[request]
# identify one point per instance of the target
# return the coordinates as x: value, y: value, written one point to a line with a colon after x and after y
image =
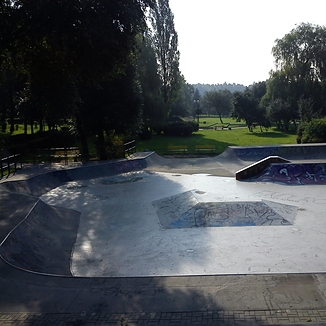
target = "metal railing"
x: 9, y: 165
x: 130, y: 147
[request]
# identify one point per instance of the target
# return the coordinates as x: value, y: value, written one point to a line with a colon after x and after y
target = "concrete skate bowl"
x: 40, y: 238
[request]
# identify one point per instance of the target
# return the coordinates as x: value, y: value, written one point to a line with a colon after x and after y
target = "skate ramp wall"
x: 289, y: 152
x: 42, y: 242
x: 294, y: 174
x: 40, y: 184
x: 258, y: 167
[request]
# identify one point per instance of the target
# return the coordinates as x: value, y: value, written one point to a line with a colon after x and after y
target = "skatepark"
x: 151, y: 217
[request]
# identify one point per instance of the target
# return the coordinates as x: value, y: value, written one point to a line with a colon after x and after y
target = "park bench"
x: 9, y: 164
x: 57, y: 154
x: 205, y: 148
x: 177, y: 149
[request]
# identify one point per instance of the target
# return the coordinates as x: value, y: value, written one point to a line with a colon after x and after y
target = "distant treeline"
x: 202, y: 88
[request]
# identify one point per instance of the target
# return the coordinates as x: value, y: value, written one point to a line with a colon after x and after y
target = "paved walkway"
x: 239, y: 317
x: 270, y: 299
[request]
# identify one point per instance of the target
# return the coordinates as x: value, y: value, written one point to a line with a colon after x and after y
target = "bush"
x: 313, y: 131
x: 180, y: 128
x: 145, y: 134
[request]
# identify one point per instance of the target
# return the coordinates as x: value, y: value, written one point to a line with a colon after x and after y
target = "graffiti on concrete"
x: 185, y: 211
x: 281, y: 196
x: 296, y: 174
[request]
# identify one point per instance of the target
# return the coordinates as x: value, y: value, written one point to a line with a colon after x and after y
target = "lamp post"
x: 197, y: 110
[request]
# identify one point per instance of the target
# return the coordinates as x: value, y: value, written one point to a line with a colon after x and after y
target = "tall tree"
x: 244, y: 108
x: 154, y: 113
x: 60, y: 45
x: 164, y: 40
x: 220, y: 100
x: 183, y: 105
x: 300, y: 55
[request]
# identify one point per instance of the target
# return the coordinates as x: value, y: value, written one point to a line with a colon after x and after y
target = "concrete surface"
x: 272, y: 296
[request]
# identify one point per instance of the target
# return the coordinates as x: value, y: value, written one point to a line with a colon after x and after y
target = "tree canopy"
x: 164, y: 40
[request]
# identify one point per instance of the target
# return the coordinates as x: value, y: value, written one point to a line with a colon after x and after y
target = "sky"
x: 231, y: 40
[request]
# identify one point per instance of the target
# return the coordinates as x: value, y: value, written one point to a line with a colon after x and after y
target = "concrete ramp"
x: 42, y: 242
x: 294, y: 174
x: 42, y: 183
x: 258, y: 167
x: 13, y: 209
x: 191, y: 165
x: 289, y: 152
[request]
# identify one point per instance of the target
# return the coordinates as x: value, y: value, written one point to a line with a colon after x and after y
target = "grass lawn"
x: 221, y: 139
x: 239, y: 135
x: 215, y: 122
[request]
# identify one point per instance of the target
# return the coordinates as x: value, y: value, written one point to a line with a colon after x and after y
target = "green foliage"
x: 164, y: 39
x: 220, y: 101
x: 145, y: 134
x: 313, y: 131
x: 154, y: 108
x: 180, y: 128
x: 300, y: 58
x: 59, y: 48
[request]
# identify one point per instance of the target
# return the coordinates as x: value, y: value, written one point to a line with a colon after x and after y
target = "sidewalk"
x: 241, y: 317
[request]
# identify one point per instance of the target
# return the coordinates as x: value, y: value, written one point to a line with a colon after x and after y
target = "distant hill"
x: 202, y: 88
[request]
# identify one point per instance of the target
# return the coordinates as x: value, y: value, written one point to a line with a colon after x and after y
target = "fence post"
x: 8, y: 164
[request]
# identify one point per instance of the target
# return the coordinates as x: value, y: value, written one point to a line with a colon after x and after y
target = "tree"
x: 164, y: 40
x: 220, y: 100
x: 281, y: 100
x: 117, y: 103
x: 244, y: 108
x: 279, y: 112
x: 300, y: 56
x: 183, y: 104
x: 63, y: 46
x: 154, y: 113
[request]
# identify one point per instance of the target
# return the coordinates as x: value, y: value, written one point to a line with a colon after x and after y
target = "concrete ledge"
x: 258, y: 167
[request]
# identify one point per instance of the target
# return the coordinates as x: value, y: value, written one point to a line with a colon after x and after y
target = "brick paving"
x: 240, y: 317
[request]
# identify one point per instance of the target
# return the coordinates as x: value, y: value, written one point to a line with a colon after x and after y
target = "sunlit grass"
x: 221, y: 139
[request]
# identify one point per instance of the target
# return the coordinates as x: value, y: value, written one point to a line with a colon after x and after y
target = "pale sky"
x: 231, y: 40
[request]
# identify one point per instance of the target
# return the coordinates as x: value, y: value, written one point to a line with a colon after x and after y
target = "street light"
x: 197, y: 110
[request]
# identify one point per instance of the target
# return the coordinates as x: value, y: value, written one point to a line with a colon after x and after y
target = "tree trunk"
x: 101, y: 147
x: 41, y: 125
x: 83, y: 139
x: 25, y: 127
x: 12, y: 112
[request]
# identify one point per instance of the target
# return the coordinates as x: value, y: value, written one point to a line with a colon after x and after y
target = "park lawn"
x: 214, y: 121
x: 221, y: 139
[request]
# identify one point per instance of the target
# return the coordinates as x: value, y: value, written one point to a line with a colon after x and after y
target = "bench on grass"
x: 205, y: 148
x: 57, y: 154
x: 226, y: 127
x: 177, y: 149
